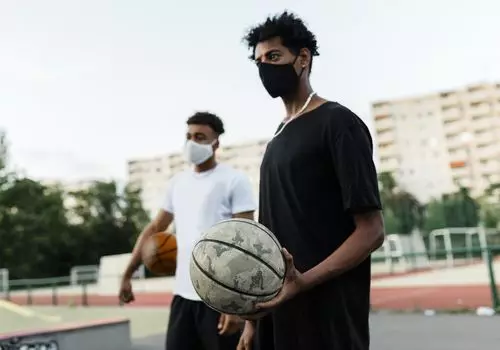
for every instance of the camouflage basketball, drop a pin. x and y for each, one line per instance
(236, 264)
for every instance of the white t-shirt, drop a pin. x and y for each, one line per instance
(198, 201)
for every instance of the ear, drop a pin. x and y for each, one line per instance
(216, 144)
(304, 58)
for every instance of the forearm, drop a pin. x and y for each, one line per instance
(135, 260)
(351, 253)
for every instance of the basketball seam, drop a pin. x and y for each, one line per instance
(164, 242)
(232, 313)
(250, 222)
(256, 257)
(222, 284)
(158, 256)
(166, 252)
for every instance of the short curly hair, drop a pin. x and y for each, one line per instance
(291, 29)
(209, 119)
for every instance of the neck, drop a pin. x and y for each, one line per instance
(295, 102)
(206, 166)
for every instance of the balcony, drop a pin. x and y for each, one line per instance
(455, 142)
(478, 95)
(381, 108)
(458, 164)
(387, 150)
(489, 168)
(485, 138)
(452, 114)
(384, 123)
(449, 99)
(480, 109)
(488, 152)
(386, 137)
(496, 107)
(484, 123)
(453, 129)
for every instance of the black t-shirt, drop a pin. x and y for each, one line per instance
(316, 173)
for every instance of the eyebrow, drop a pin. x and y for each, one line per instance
(267, 53)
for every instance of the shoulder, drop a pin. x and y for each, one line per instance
(178, 177)
(338, 119)
(340, 116)
(230, 173)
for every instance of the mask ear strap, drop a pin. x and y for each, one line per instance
(303, 68)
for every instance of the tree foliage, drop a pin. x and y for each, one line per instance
(402, 210)
(44, 231)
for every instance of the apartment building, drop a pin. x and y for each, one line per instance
(153, 174)
(437, 142)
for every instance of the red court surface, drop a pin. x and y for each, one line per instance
(401, 298)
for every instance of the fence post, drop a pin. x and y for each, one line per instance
(30, 297)
(85, 301)
(54, 294)
(493, 285)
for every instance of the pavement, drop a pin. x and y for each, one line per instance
(390, 331)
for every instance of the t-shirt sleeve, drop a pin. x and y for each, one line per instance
(352, 154)
(168, 203)
(241, 197)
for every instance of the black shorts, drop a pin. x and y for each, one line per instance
(193, 326)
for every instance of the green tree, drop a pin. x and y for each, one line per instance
(108, 220)
(391, 222)
(453, 210)
(490, 207)
(402, 211)
(33, 229)
(434, 216)
(45, 231)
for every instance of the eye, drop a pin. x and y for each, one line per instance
(274, 56)
(200, 138)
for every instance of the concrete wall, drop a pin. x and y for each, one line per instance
(102, 335)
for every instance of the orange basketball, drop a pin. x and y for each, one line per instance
(159, 254)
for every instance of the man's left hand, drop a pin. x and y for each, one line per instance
(293, 285)
(230, 324)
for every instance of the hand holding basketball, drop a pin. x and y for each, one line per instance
(293, 285)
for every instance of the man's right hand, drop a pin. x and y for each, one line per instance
(246, 339)
(126, 295)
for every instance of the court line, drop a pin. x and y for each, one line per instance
(27, 312)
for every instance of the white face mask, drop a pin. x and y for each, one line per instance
(197, 153)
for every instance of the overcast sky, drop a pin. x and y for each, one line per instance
(86, 85)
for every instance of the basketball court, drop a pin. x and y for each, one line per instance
(389, 331)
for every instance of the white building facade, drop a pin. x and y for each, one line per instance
(435, 143)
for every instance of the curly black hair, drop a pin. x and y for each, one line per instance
(287, 26)
(206, 118)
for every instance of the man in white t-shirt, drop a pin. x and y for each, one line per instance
(197, 198)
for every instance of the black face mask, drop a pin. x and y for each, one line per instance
(279, 79)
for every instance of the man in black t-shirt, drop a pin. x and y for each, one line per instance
(319, 195)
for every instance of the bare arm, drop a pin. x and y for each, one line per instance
(367, 237)
(160, 223)
(245, 215)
